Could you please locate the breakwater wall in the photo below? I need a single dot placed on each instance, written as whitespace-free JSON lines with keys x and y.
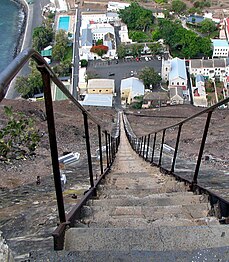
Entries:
{"x":24,"y":9}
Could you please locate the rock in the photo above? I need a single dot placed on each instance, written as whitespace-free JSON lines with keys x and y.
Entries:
{"x":5,"y":252}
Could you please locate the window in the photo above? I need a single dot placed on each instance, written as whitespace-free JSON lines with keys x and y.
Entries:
{"x":178,"y":83}
{"x":182,"y":83}
{"x":93,"y":90}
{"x":172,"y":83}
{"x":100,"y":91}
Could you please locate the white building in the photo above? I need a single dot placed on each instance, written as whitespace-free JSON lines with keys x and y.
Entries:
{"x":123,"y":34}
{"x":130,"y":88}
{"x":220,"y":48}
{"x":177,"y":74}
{"x":116,"y":6}
{"x":209,"y":68}
{"x":199,"y":92}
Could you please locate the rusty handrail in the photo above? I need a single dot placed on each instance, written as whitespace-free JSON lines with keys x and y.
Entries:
{"x":8,"y":74}
{"x":112,"y":143}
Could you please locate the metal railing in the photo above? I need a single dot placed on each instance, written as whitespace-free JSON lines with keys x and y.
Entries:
{"x":106,"y":156}
{"x":152,"y":148}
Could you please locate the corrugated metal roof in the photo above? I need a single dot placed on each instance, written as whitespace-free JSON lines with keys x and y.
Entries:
{"x":178,"y":69}
{"x":219,"y":63}
{"x":173,"y":91}
{"x":199,"y":78}
{"x":156,"y":96}
{"x":195,"y":63}
{"x":100,"y":83}
{"x":98,"y":100}
{"x":220,"y":43}
{"x":134,"y":84}
{"x":86,"y":38}
{"x":209,"y":63}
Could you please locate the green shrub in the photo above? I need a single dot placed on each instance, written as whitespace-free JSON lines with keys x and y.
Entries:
{"x":19,"y":138}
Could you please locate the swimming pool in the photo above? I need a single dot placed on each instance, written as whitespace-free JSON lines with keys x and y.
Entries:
{"x":64,"y":23}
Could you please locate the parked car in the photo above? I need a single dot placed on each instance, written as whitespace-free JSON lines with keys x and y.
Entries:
{"x":111,"y":74}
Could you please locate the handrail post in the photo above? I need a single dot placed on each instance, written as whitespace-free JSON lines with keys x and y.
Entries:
{"x":153,"y":149}
{"x":107,"y":149}
{"x":176,"y":148}
{"x":144,"y":146}
{"x":194,"y":181}
{"x":161,"y":151}
{"x":100,"y":150}
{"x":52,"y":141}
{"x":147,"y":151}
{"x":140,"y":152}
{"x":88,"y":149}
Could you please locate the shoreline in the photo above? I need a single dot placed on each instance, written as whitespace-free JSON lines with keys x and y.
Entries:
{"x":23,"y":6}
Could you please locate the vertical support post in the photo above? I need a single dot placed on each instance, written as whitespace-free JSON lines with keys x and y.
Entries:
{"x":107,"y":149}
{"x":194,"y":181}
{"x":153,"y":149}
{"x":144,"y":146}
{"x":161,"y":151}
{"x":100,"y":150}
{"x":88,"y":149}
{"x":176,"y":148}
{"x":147,"y":151}
{"x":140,"y":152}
{"x":52,"y":141}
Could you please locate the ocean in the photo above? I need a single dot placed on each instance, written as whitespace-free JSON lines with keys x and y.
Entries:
{"x":11,"y":19}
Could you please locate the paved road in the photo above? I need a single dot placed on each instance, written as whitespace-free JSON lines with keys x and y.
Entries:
{"x":121,"y":70}
{"x":75,"y":77}
{"x":34,"y":20}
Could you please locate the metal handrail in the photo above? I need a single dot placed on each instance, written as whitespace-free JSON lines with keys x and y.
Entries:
{"x":141,"y":144}
{"x":112,"y":142}
{"x":8,"y":74}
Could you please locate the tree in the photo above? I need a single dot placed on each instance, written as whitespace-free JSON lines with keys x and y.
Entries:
{"x":83,"y":63}
{"x":136,"y":50}
{"x":149,"y":77}
{"x":121,"y":51}
{"x":63,"y":68}
{"x":178,"y":6}
{"x":155,"y":48}
{"x":99,"y":50}
{"x":29,"y":85}
{"x":42,"y":36}
{"x":138,"y":36}
{"x":207,"y":26}
{"x":60,"y":48}
{"x":137,"y":17}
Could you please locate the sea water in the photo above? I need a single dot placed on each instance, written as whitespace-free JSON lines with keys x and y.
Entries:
{"x":11,"y":18}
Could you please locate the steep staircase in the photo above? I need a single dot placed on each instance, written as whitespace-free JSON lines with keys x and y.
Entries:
{"x":140,"y":214}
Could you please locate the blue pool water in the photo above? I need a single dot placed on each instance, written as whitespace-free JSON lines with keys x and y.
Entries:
{"x":64,"y":23}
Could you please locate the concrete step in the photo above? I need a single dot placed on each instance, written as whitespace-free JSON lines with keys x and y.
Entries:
{"x":149,"y":201}
{"x":137,"y":195}
{"x":212,"y":254}
{"x":143,"y":180}
{"x":157,"y":238}
{"x":143,"y":189}
{"x":129,"y":222}
{"x":151,"y":213}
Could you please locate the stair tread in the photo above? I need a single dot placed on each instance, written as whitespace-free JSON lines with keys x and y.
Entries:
{"x":148,"y":201}
{"x":156,"y":238}
{"x":148,"y":212}
{"x":211,"y":254}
